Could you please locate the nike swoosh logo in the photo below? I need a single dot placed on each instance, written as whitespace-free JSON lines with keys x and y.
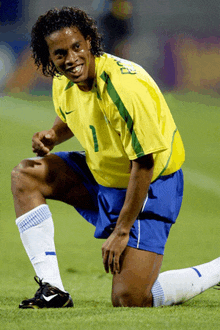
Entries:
{"x":68,"y":112}
{"x":50,"y":297}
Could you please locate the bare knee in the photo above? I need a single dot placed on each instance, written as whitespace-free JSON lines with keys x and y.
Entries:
{"x":21,"y":177}
{"x":131,"y":296}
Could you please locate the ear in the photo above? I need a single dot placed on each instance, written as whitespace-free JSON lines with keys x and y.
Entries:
{"x":52,"y":65}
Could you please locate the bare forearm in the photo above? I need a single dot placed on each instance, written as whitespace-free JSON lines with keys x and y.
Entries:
{"x":61,"y":130}
{"x":137,"y":190}
{"x":140,"y":179}
{"x":43,"y":142}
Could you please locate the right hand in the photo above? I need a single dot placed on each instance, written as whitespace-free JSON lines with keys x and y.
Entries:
{"x":43,"y":142}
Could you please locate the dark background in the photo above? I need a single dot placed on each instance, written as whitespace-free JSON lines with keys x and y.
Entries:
{"x":176,"y":41}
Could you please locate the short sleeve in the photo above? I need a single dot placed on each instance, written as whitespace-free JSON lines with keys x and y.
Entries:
{"x":57,"y":96}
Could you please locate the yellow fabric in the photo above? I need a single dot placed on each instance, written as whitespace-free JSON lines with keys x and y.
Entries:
{"x":122,"y":118}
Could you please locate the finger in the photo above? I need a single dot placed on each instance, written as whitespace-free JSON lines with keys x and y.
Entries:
{"x":105,"y":261}
{"x":40,"y":138}
{"x":103,"y":251}
{"x":40,"y":148}
{"x":47,"y":139}
{"x":111,"y":262}
{"x":48,"y":136}
{"x":37,"y":144}
{"x":116,"y":268}
{"x":41,"y":151}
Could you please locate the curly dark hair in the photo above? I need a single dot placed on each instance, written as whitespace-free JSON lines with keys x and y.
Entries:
{"x":55,"y":20}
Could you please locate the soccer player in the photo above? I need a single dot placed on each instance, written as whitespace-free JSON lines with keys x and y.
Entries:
{"x":128,"y":183}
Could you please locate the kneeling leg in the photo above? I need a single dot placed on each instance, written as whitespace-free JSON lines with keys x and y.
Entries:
{"x":34,"y":181}
{"x":132,"y":286}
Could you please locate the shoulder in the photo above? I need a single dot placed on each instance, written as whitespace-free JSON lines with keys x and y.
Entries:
{"x":116,"y":67}
{"x":126,"y":77}
{"x":61,"y":84}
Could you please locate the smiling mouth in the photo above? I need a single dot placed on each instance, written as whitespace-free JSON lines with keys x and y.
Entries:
{"x":77,"y":69}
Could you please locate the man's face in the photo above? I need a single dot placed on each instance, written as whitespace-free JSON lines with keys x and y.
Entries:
{"x":70,"y":53}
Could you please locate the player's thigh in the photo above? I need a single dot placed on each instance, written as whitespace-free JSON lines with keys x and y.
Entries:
{"x":54,"y":179}
{"x":139,"y":270}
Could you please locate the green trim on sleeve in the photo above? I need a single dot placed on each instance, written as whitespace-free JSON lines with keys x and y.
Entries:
{"x":62,"y":113}
{"x":124,"y":113}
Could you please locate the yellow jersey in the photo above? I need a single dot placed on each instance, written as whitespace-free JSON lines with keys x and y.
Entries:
{"x":122,"y":118}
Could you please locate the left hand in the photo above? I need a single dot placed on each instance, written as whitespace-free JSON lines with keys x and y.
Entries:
{"x":112,"y":250}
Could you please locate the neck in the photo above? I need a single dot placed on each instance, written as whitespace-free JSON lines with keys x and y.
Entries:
{"x":86,"y":86}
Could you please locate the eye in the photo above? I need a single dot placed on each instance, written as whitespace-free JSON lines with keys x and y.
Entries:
{"x":59,"y":57}
{"x":77,"y":46}
{"x":59,"y":54}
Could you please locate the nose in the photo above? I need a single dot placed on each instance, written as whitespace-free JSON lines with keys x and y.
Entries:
{"x":71,"y":58}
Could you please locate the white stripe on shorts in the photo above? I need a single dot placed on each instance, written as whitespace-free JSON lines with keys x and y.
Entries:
{"x":139,"y":233}
{"x":139,"y":223}
{"x":145,"y":202}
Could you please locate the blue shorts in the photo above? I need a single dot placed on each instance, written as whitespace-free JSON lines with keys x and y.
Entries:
{"x":160,"y":210}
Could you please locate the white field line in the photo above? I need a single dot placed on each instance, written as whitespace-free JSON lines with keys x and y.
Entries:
{"x":202,"y":181}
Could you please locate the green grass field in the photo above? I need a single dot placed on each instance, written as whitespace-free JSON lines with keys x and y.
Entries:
{"x":193,"y":240}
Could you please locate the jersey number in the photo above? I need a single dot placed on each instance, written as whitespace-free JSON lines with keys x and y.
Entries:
{"x":96,"y":146}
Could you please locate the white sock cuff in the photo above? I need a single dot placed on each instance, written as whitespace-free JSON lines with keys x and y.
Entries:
{"x":158,"y":294}
{"x":33,"y":217}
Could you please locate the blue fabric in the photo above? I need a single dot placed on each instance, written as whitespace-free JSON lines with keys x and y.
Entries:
{"x":151,"y":229}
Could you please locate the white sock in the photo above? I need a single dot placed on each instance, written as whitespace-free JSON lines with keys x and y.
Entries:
{"x":37,"y":234}
{"x":177,"y":286}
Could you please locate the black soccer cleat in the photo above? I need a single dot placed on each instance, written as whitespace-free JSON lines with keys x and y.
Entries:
{"x":47,"y":296}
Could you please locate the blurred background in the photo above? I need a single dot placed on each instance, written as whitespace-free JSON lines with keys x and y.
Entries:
{"x":176,"y":41}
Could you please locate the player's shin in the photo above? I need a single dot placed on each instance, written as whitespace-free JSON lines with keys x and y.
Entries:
{"x":177,"y":286}
{"x":37,"y":234}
